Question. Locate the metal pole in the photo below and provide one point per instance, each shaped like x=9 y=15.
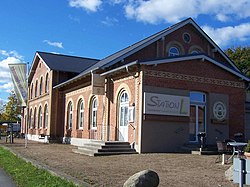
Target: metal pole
x=241 y=172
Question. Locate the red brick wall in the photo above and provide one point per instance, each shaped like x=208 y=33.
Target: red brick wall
x=200 y=70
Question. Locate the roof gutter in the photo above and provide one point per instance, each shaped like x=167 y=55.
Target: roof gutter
x=120 y=68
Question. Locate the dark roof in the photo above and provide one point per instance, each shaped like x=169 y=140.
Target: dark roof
x=110 y=60
x=120 y=55
x=66 y=63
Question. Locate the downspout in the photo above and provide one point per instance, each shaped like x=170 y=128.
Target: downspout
x=135 y=105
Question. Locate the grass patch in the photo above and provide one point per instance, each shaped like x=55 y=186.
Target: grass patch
x=27 y=175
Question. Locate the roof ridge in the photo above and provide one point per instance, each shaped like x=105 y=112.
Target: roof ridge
x=59 y=54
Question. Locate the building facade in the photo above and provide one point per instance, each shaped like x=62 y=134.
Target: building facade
x=158 y=94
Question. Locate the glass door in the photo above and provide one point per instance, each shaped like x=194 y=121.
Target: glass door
x=197 y=122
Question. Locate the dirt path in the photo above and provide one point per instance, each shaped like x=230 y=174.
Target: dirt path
x=173 y=169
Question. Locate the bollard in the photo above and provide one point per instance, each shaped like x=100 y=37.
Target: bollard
x=241 y=172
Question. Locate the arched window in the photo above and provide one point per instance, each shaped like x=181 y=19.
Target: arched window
x=123 y=116
x=34 y=125
x=47 y=83
x=31 y=91
x=80 y=110
x=31 y=118
x=93 y=113
x=173 y=51
x=36 y=88
x=41 y=86
x=70 y=115
x=124 y=103
x=46 y=116
x=40 y=120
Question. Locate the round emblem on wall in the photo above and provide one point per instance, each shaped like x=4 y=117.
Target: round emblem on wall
x=219 y=110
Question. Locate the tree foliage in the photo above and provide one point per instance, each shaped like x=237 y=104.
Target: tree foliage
x=241 y=57
x=11 y=110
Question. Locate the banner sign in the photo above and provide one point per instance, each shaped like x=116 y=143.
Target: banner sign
x=98 y=84
x=18 y=75
x=162 y=104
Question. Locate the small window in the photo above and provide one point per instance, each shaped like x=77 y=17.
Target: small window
x=186 y=37
x=80 y=114
x=197 y=97
x=93 y=119
x=194 y=52
x=40 y=120
x=36 y=88
x=41 y=85
x=70 y=115
x=46 y=116
x=47 y=83
x=31 y=118
x=31 y=91
x=173 y=51
x=35 y=116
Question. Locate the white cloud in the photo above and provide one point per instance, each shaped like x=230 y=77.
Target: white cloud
x=89 y=5
x=55 y=44
x=8 y=57
x=172 y=11
x=109 y=21
x=226 y=35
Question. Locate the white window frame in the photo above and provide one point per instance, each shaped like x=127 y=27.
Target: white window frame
x=93 y=119
x=41 y=86
x=124 y=106
x=46 y=116
x=70 y=115
x=31 y=119
x=171 y=53
x=35 y=116
x=80 y=114
x=40 y=121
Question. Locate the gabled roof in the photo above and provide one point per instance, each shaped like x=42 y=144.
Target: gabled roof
x=64 y=63
x=122 y=54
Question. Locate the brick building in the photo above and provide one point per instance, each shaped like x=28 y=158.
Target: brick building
x=157 y=94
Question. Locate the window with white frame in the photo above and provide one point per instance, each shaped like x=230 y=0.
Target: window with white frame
x=41 y=86
x=46 y=116
x=173 y=51
x=36 y=88
x=80 y=110
x=47 y=83
x=31 y=118
x=123 y=111
x=40 y=120
x=34 y=125
x=31 y=91
x=70 y=115
x=93 y=119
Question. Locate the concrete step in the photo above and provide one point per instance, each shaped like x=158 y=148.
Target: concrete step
x=84 y=152
x=113 y=153
x=100 y=148
x=116 y=150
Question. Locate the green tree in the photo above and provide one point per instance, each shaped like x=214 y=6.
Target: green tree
x=241 y=57
x=12 y=109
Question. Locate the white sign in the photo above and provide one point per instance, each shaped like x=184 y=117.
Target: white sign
x=162 y=104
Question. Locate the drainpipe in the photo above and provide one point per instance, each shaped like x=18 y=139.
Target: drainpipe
x=135 y=105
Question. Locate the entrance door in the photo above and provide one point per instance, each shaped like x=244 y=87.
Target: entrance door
x=197 y=122
x=123 y=117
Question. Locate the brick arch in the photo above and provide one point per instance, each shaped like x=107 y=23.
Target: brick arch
x=120 y=89
x=177 y=45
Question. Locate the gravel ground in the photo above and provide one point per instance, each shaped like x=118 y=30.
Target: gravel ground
x=173 y=169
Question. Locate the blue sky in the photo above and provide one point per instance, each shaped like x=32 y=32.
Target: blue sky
x=98 y=28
